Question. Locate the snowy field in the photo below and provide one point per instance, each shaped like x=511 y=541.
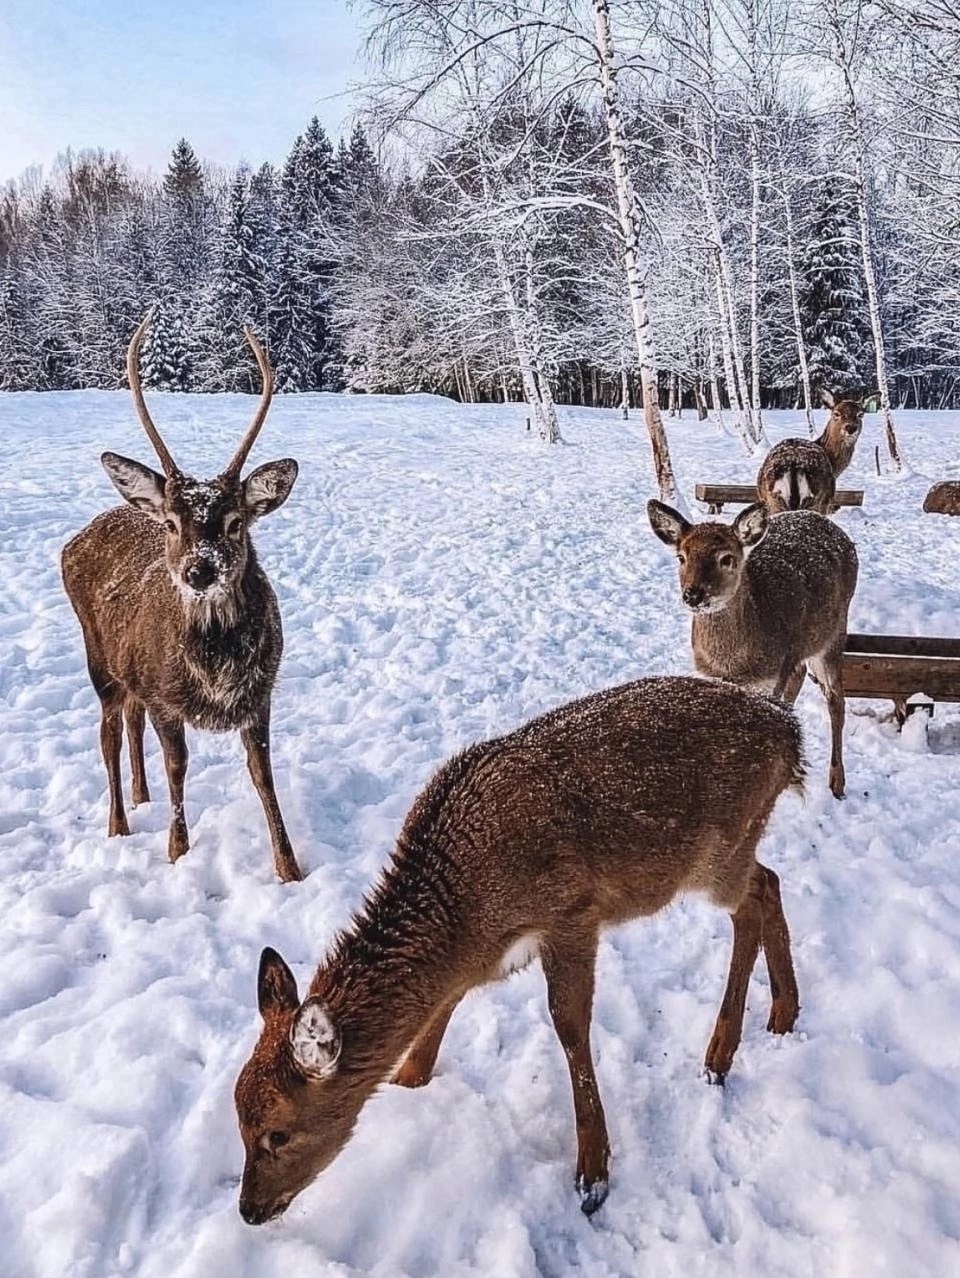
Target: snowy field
x=443 y=577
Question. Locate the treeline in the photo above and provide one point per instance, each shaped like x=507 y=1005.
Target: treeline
x=486 y=259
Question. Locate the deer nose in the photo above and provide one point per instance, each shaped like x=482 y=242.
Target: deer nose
x=200 y=574
x=693 y=596
x=252 y=1214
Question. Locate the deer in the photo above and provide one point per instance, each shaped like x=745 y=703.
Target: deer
x=770 y=597
x=801 y=474
x=598 y=812
x=179 y=620
x=943 y=498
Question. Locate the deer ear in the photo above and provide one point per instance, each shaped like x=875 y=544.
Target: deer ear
x=668 y=524
x=139 y=485
x=276 y=986
x=268 y=487
x=315 y=1040
x=827 y=398
x=750 y=525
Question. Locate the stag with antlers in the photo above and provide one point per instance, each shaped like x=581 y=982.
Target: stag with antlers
x=179 y=621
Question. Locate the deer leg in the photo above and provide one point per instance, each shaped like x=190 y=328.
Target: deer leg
x=134 y=715
x=111 y=739
x=569 y=972
x=828 y=669
x=417 y=1066
x=775 y=938
x=789 y=680
x=747 y=924
x=256 y=739
x=794 y=683
x=175 y=755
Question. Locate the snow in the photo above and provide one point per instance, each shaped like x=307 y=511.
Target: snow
x=442 y=577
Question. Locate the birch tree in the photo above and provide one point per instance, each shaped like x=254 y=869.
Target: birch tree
x=845 y=28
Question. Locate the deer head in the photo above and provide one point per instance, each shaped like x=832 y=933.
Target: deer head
x=846 y=415
x=296 y=1103
x=710 y=556
x=206 y=522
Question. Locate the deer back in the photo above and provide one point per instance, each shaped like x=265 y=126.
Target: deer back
x=943 y=498
x=796 y=474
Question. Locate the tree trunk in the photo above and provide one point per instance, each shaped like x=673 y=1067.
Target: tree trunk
x=629 y=230
x=795 y=292
x=863 y=219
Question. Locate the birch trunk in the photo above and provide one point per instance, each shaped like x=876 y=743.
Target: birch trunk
x=863 y=219
x=795 y=291
x=715 y=403
x=756 y=420
x=629 y=230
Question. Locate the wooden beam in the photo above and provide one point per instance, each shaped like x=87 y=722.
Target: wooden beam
x=903 y=645
x=877 y=675
x=717 y=494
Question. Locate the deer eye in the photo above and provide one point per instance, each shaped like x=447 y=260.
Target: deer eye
x=232 y=525
x=278 y=1139
x=170 y=526
x=725 y=561
x=681 y=558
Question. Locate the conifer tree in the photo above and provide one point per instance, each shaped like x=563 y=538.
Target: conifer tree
x=836 y=325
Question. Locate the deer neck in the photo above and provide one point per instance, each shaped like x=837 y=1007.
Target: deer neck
x=721 y=638
x=838 y=446
x=392 y=969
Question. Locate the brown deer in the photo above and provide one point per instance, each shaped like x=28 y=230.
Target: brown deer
x=178 y=619
x=598 y=812
x=943 y=498
x=769 y=596
x=801 y=474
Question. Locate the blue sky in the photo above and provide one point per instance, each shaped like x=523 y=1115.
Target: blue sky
x=239 y=78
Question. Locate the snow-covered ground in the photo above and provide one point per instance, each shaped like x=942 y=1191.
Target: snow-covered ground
x=443 y=577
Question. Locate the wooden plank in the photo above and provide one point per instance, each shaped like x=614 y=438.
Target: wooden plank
x=889 y=676
x=904 y=645
x=746 y=493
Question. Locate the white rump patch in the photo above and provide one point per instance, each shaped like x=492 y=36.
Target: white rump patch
x=782 y=487
x=523 y=951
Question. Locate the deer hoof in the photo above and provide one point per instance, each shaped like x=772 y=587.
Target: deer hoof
x=782 y=1018
x=592 y=1194
x=178 y=846
x=117 y=827
x=410 y=1075
x=289 y=872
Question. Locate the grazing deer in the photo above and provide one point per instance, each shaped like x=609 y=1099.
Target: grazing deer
x=178 y=619
x=943 y=498
x=598 y=812
x=801 y=474
x=769 y=596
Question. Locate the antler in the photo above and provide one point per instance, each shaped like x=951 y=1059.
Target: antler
x=240 y=456
x=133 y=377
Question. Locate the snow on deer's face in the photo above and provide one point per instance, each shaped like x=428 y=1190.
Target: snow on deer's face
x=206 y=535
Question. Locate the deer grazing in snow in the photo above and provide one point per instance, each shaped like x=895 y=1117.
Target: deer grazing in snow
x=598 y=812
x=801 y=474
x=769 y=597
x=179 y=620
